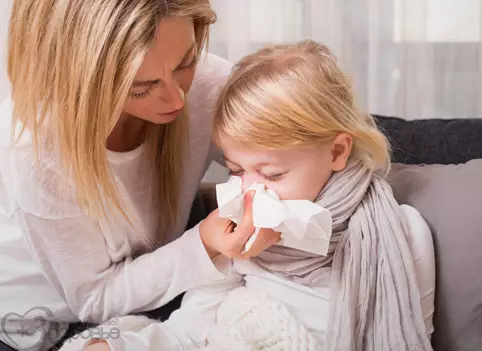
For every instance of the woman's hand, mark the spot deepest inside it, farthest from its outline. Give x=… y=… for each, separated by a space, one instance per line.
x=222 y=236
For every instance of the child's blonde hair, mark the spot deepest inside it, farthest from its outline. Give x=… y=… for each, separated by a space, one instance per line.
x=296 y=95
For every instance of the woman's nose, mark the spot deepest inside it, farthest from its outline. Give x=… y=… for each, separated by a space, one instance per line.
x=173 y=95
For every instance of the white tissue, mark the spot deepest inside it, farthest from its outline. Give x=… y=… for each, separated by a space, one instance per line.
x=303 y=224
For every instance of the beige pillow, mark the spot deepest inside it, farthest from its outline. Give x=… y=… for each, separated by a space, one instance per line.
x=449 y=197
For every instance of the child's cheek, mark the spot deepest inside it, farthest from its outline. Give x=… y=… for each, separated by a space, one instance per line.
x=283 y=189
x=294 y=190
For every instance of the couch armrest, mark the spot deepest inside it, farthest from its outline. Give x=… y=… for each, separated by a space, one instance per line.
x=208 y=196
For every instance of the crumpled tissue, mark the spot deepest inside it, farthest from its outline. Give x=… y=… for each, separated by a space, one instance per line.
x=303 y=224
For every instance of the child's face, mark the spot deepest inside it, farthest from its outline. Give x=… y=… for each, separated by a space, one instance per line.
x=294 y=174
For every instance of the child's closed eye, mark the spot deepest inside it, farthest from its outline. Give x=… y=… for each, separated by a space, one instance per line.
x=269 y=178
x=273 y=177
x=236 y=173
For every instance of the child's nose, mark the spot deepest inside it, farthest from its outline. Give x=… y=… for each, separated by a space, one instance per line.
x=249 y=179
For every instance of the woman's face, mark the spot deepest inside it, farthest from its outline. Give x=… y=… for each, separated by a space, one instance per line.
x=166 y=74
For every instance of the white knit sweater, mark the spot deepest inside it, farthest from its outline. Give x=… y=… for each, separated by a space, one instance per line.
x=56 y=261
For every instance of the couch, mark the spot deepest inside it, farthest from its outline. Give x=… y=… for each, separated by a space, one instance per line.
x=438 y=170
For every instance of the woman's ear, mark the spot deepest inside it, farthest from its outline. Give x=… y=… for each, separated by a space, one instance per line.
x=340 y=151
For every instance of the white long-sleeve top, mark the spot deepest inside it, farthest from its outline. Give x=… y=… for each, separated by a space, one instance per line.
x=56 y=262
x=189 y=327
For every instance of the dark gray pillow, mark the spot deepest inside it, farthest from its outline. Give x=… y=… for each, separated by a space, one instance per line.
x=449 y=197
x=433 y=141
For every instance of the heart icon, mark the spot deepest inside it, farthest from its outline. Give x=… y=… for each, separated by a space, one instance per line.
x=27 y=332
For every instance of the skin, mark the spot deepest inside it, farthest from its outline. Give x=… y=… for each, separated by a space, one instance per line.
x=96 y=345
x=162 y=81
x=294 y=174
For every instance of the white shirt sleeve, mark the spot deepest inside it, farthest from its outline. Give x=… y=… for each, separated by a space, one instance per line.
x=186 y=329
x=421 y=245
x=74 y=258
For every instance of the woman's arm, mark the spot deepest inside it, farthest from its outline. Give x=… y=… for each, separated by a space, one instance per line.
x=75 y=259
x=186 y=329
x=82 y=264
x=88 y=267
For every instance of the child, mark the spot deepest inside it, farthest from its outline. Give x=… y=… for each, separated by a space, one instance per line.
x=287 y=119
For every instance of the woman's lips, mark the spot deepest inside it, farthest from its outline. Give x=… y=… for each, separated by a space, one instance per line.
x=171 y=114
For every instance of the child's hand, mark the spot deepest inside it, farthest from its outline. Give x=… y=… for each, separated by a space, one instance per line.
x=97 y=345
x=219 y=236
x=266 y=238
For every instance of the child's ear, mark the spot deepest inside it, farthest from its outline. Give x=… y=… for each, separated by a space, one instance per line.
x=340 y=151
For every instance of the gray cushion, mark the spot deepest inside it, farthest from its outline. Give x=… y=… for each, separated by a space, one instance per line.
x=450 y=141
x=449 y=197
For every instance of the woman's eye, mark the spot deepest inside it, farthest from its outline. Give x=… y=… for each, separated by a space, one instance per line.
x=189 y=64
x=235 y=173
x=140 y=94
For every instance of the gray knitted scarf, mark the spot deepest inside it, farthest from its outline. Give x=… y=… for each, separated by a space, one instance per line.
x=375 y=302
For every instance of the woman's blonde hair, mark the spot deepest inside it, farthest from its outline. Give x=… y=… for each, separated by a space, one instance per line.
x=71 y=65
x=296 y=95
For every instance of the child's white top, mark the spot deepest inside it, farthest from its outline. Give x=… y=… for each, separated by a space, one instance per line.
x=190 y=326
x=52 y=256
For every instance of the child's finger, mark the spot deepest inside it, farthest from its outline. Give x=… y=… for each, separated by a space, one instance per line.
x=266 y=238
x=246 y=228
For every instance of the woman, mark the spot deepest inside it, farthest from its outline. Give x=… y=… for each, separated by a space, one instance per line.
x=96 y=187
